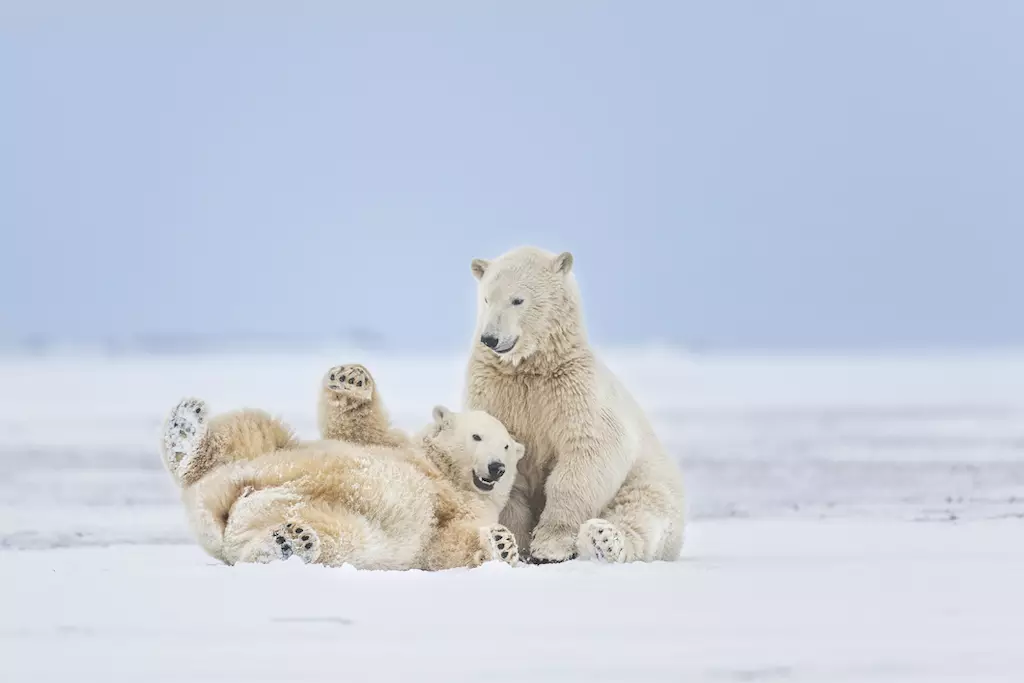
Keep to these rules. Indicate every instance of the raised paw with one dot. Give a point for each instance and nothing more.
(351, 381)
(184, 431)
(502, 544)
(601, 541)
(295, 538)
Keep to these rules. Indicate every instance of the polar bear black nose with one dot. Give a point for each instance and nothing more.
(496, 469)
(489, 340)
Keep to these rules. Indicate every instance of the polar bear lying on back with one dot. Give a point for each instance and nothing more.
(366, 495)
(595, 481)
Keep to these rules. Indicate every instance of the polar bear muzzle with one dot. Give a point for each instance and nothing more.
(495, 470)
(494, 344)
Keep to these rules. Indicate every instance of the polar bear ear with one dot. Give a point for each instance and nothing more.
(479, 267)
(563, 263)
(441, 414)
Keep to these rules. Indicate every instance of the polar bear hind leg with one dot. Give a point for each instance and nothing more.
(282, 542)
(601, 541)
(636, 526)
(184, 434)
(194, 442)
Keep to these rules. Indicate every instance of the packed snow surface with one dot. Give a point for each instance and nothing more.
(854, 519)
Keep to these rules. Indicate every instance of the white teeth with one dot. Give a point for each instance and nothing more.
(483, 483)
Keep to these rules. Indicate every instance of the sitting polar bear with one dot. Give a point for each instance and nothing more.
(595, 481)
(366, 495)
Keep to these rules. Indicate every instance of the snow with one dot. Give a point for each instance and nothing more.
(854, 519)
(753, 600)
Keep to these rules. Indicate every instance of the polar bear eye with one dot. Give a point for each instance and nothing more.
(517, 301)
(476, 437)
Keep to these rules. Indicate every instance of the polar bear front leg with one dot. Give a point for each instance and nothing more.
(350, 408)
(464, 544)
(517, 514)
(583, 481)
(499, 544)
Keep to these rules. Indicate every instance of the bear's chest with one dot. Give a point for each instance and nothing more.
(525, 407)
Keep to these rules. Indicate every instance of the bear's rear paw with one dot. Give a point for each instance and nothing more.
(601, 541)
(184, 432)
(502, 544)
(350, 381)
(295, 538)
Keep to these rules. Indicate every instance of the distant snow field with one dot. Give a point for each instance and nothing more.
(853, 519)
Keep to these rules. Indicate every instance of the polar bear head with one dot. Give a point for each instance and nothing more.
(527, 300)
(478, 451)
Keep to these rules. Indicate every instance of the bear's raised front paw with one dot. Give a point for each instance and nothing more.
(549, 548)
(295, 538)
(184, 431)
(601, 541)
(353, 382)
(502, 544)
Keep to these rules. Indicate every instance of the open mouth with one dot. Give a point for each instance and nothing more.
(505, 348)
(483, 483)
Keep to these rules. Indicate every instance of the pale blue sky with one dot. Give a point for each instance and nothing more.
(755, 174)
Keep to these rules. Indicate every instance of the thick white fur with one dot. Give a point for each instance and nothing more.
(595, 480)
(246, 480)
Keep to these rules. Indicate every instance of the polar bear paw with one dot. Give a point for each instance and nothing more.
(296, 538)
(353, 382)
(502, 544)
(552, 545)
(184, 432)
(601, 541)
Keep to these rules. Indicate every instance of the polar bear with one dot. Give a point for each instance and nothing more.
(378, 500)
(595, 481)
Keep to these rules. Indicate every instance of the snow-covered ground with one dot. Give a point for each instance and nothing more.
(853, 519)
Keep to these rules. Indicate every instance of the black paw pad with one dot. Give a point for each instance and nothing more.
(309, 546)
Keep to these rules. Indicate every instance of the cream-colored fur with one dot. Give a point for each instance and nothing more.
(595, 480)
(378, 500)
(350, 410)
